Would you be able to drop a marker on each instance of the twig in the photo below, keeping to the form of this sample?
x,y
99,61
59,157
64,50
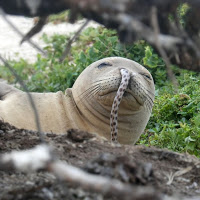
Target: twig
x,y
71,40
178,173
189,41
19,32
35,29
159,46
40,158
166,41
37,120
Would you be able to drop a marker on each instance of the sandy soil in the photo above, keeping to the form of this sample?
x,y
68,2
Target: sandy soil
x,y
10,40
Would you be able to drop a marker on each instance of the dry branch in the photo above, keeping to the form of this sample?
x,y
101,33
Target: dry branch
x,y
131,19
154,21
36,29
71,40
2,13
41,158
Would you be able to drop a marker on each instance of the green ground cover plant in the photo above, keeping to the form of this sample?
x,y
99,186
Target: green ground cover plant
x,y
175,120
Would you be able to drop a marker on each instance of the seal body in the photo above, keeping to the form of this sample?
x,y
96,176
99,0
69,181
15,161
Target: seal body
x,y
87,105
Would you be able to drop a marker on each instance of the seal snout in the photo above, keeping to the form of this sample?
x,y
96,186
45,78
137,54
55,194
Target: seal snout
x,y
131,86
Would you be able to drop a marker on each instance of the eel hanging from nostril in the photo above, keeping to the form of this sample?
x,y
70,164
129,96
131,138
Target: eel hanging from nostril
x,y
115,106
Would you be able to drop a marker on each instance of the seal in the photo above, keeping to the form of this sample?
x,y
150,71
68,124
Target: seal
x,y
88,104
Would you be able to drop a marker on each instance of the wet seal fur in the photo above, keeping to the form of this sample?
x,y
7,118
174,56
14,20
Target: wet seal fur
x,y
87,105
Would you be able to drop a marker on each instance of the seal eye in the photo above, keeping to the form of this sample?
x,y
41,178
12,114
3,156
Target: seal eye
x,y
104,64
147,76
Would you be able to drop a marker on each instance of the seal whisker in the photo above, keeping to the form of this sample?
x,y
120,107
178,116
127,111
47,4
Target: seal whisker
x,y
89,90
147,96
149,92
143,86
148,105
93,93
146,92
85,95
106,80
109,78
89,93
94,86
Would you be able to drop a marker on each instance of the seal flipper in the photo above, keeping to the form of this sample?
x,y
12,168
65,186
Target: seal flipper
x,y
5,90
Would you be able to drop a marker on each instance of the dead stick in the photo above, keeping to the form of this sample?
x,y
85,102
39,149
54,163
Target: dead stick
x,y
20,33
76,35
41,157
161,50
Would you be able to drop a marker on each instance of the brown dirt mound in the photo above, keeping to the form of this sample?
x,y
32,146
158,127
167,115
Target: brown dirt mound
x,y
169,172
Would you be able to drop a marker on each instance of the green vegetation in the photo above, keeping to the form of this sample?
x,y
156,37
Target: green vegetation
x,y
62,17
175,121
58,18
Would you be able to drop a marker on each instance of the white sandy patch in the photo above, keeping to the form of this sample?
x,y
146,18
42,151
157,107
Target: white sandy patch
x,y
10,41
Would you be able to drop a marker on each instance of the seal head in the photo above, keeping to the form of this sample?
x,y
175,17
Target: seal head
x,y
96,87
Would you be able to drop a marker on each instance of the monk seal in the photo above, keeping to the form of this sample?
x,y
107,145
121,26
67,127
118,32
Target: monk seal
x,y
87,105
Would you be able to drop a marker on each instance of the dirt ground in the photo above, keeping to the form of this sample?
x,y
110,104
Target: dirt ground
x,y
135,165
